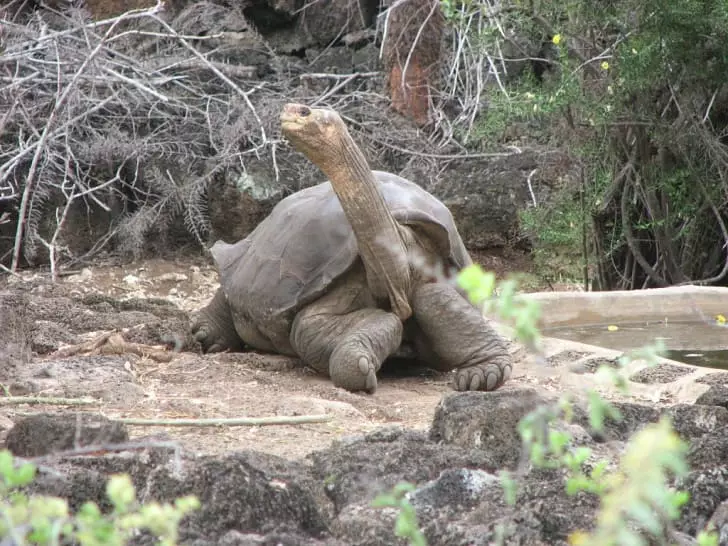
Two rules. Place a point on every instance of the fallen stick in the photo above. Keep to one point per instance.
(103, 449)
(111, 343)
(231, 422)
(12, 400)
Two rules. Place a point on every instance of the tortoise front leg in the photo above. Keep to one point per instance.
(455, 335)
(213, 326)
(349, 348)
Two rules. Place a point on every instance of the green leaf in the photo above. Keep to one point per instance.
(24, 475)
(120, 491)
(6, 465)
(645, 516)
(510, 487)
(558, 440)
(707, 538)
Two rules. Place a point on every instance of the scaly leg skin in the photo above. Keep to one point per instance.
(454, 335)
(349, 348)
(213, 326)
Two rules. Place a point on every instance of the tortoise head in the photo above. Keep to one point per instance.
(313, 131)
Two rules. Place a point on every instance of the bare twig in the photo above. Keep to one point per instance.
(111, 343)
(229, 422)
(59, 106)
(50, 400)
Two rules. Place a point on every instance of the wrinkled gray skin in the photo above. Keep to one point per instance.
(343, 273)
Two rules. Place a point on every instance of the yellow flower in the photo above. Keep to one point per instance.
(605, 65)
(612, 327)
(556, 39)
(720, 319)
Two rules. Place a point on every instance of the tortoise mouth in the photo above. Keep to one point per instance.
(290, 122)
(293, 116)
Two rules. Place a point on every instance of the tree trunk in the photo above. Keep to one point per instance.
(412, 50)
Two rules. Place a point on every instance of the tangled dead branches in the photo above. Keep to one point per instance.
(87, 105)
(131, 118)
(95, 113)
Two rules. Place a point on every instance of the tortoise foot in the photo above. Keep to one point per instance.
(213, 327)
(482, 377)
(353, 369)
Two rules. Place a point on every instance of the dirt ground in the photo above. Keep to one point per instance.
(223, 385)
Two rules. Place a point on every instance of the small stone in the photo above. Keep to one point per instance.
(83, 276)
(176, 277)
(131, 280)
(308, 405)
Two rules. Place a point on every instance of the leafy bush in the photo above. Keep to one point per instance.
(637, 500)
(635, 90)
(46, 521)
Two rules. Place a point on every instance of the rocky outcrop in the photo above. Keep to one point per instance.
(253, 498)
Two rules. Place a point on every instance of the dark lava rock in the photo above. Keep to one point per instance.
(716, 395)
(485, 195)
(543, 515)
(82, 479)
(362, 525)
(692, 421)
(361, 467)
(634, 418)
(710, 450)
(719, 523)
(245, 492)
(591, 365)
(47, 433)
(486, 421)
(707, 489)
(564, 358)
(719, 378)
(458, 489)
(662, 373)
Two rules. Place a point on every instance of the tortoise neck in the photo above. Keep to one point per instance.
(377, 233)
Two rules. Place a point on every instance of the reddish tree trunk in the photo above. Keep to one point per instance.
(412, 50)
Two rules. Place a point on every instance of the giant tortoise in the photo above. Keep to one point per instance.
(340, 274)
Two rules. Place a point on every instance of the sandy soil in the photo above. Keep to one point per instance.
(233, 385)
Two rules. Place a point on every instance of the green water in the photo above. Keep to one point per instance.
(699, 343)
(706, 359)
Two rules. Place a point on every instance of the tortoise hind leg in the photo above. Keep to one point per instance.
(344, 336)
(455, 335)
(348, 348)
(213, 326)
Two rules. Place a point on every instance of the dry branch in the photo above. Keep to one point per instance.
(140, 114)
(50, 400)
(108, 448)
(230, 422)
(111, 343)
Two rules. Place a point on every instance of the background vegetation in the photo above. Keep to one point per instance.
(637, 91)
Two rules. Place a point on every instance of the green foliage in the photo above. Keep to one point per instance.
(406, 525)
(635, 89)
(46, 521)
(522, 314)
(636, 498)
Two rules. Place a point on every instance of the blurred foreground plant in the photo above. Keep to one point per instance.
(46, 521)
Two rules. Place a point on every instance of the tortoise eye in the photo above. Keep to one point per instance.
(304, 111)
